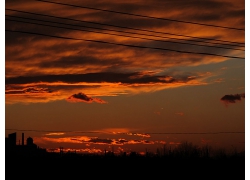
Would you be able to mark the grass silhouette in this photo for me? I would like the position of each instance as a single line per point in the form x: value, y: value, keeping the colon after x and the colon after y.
x: 185, y: 161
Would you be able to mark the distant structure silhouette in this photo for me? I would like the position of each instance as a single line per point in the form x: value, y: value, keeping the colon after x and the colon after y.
x: 10, y: 141
x: 28, y: 150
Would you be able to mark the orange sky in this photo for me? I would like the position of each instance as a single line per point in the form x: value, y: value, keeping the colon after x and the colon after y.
x: 91, y: 79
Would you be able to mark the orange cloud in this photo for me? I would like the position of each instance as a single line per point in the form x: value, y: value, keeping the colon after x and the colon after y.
x: 140, y: 142
x: 139, y: 134
x: 83, y: 150
x: 54, y: 134
x: 59, y: 91
x: 140, y: 69
x: 115, y: 130
x: 78, y: 139
x: 92, y: 140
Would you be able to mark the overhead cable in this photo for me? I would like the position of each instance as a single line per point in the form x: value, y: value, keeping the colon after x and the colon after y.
x: 197, y: 39
x: 125, y: 45
x: 159, y: 40
x: 151, y: 133
x: 143, y: 16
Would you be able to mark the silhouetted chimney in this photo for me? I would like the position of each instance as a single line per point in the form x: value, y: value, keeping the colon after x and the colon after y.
x: 22, y: 139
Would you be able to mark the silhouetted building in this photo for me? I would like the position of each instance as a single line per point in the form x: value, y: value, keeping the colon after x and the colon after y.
x: 29, y: 141
x: 30, y: 149
x: 22, y: 139
x: 12, y: 139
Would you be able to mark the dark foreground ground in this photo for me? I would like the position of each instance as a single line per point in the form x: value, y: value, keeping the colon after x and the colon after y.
x: 124, y: 167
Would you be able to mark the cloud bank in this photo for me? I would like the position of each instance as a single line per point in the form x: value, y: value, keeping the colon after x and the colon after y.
x: 43, y: 69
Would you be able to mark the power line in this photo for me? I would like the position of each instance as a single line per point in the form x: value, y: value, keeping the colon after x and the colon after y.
x: 144, y: 16
x: 198, y: 133
x: 125, y: 45
x: 50, y: 131
x: 107, y: 32
x: 151, y: 133
x: 194, y: 40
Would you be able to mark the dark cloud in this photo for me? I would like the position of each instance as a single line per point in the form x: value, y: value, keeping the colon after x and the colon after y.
x: 80, y: 60
x: 46, y: 55
x: 100, y: 141
x: 113, y: 141
x: 193, y: 10
x: 148, y: 142
x: 122, y: 141
x: 62, y: 87
x: 56, y: 62
x: 232, y: 98
x: 80, y: 97
x: 112, y: 77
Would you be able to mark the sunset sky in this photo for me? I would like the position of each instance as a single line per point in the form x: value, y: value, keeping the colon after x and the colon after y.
x: 125, y: 75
